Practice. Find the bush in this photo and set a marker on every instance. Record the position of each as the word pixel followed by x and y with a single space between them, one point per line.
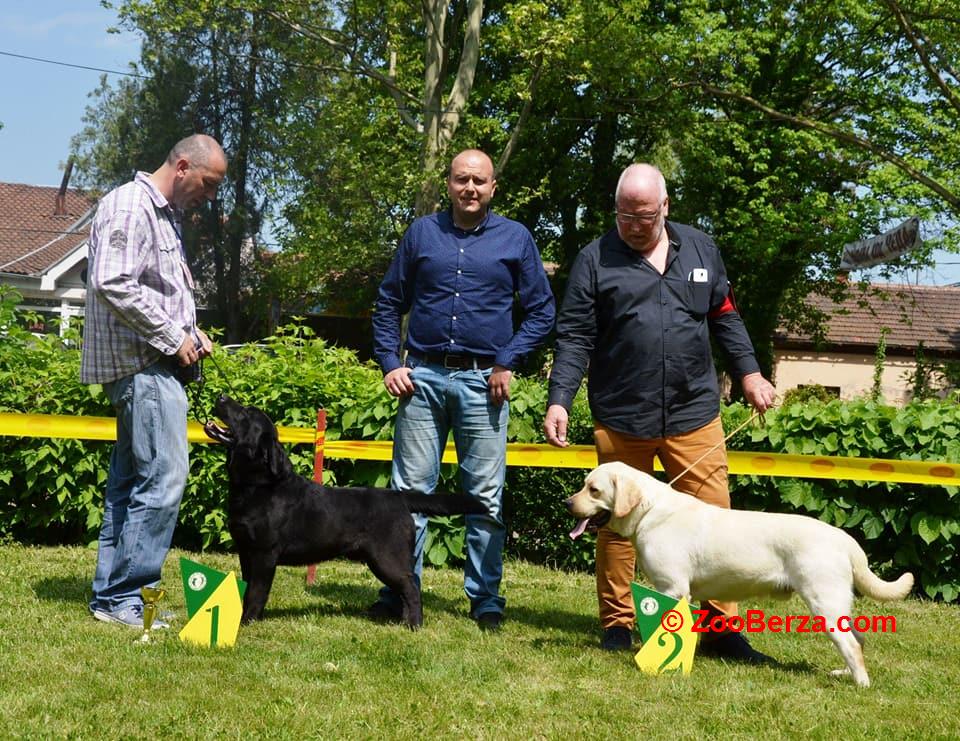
pixel 901 526
pixel 802 394
pixel 53 489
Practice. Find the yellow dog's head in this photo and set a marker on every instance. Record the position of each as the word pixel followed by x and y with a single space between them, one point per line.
pixel 610 491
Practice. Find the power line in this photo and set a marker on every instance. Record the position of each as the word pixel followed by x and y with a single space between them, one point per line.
pixel 77 66
pixel 385 105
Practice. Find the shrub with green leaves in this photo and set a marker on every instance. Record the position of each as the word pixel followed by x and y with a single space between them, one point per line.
pixel 901 526
pixel 52 490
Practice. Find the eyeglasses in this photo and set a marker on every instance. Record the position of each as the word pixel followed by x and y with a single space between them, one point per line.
pixel 647 218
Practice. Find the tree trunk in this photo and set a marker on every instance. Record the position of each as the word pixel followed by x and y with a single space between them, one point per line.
pixel 440 122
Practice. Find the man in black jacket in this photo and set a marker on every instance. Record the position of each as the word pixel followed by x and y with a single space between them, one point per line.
pixel 641 304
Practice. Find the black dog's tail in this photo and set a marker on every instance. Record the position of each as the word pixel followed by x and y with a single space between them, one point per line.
pixel 442 504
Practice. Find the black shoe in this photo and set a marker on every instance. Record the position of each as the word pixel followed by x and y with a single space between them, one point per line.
pixel 490 621
pixel 617 638
pixel 384 612
pixel 734 647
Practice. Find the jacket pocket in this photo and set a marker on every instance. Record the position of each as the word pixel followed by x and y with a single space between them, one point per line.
pixel 698 297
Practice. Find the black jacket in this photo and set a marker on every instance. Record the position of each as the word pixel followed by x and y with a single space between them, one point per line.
pixel 646 336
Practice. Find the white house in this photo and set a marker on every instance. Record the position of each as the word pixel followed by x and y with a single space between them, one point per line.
pixel 43 247
pixel 908 315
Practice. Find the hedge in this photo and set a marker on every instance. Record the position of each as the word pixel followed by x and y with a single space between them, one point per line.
pixel 52 489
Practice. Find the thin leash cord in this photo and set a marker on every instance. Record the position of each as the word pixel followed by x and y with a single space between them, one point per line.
pixel 722 442
pixel 223 375
pixel 195 390
pixel 636 565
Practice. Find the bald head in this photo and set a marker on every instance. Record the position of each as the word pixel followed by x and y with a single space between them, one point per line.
pixel 642 207
pixel 192 172
pixel 470 184
pixel 641 182
pixel 198 149
pixel 476 156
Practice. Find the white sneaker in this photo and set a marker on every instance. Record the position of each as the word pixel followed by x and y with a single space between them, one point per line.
pixel 131 616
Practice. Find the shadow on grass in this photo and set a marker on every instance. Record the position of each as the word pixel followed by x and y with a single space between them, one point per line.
pixel 796 667
pixel 339 598
pixel 63 589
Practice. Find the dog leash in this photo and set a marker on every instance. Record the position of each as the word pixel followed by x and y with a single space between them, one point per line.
pixel 195 389
pixel 223 375
pixel 722 442
pixel 636 565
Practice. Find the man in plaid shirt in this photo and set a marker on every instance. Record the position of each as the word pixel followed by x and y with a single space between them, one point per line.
pixel 140 326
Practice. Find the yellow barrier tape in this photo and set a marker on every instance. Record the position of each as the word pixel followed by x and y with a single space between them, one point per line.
pixel 936 473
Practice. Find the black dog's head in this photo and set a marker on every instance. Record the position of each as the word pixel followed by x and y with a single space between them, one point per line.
pixel 254 453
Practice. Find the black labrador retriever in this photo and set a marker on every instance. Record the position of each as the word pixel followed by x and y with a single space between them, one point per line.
pixel 277 517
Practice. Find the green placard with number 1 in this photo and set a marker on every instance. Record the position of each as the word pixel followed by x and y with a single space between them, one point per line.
pixel 214 604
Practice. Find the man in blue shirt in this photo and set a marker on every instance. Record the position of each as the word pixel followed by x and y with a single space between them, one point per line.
pixel 457 274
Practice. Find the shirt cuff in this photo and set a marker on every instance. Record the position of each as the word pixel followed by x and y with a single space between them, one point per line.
pixel 744 366
pixel 563 398
pixel 169 343
pixel 504 360
pixel 390 363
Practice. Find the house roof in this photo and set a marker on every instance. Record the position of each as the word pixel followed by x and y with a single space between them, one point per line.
pixel 32 237
pixel 912 314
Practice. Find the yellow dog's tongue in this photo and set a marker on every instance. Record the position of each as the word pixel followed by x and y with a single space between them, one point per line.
pixel 579 529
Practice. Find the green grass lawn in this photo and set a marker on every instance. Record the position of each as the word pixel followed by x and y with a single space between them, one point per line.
pixel 316 668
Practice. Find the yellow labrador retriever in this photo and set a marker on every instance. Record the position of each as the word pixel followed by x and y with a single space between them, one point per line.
pixel 695 550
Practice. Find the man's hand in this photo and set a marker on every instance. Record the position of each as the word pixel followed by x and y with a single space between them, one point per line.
pixel 555 425
pixel 188 353
pixel 206 346
pixel 499 384
pixel 758 391
pixel 398 382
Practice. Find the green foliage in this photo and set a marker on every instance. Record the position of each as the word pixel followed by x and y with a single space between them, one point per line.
pixel 752 110
pixel 880 356
pixel 537 521
pixel 209 70
pixel 901 526
pixel 931 377
pixel 52 489
pixel 810 392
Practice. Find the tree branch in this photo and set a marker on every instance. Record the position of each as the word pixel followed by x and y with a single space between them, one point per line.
pixel 434 17
pixel 842 136
pixel 524 115
pixel 401 97
pixel 908 31
pixel 465 72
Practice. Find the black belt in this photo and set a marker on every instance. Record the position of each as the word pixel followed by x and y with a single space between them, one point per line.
pixel 457 362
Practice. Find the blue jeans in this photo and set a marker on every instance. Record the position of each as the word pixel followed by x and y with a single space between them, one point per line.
pixel 456 400
pixel 148 470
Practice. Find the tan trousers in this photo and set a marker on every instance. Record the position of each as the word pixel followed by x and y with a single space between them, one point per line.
pixel 707 481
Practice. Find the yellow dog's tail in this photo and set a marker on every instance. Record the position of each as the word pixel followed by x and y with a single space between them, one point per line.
pixel 870 585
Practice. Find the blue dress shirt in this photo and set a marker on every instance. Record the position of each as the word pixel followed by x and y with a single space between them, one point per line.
pixel 459 288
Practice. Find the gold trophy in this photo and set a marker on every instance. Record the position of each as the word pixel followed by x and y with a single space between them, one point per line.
pixel 151 595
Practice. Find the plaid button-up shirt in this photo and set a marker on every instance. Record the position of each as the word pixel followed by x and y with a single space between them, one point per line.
pixel 139 289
